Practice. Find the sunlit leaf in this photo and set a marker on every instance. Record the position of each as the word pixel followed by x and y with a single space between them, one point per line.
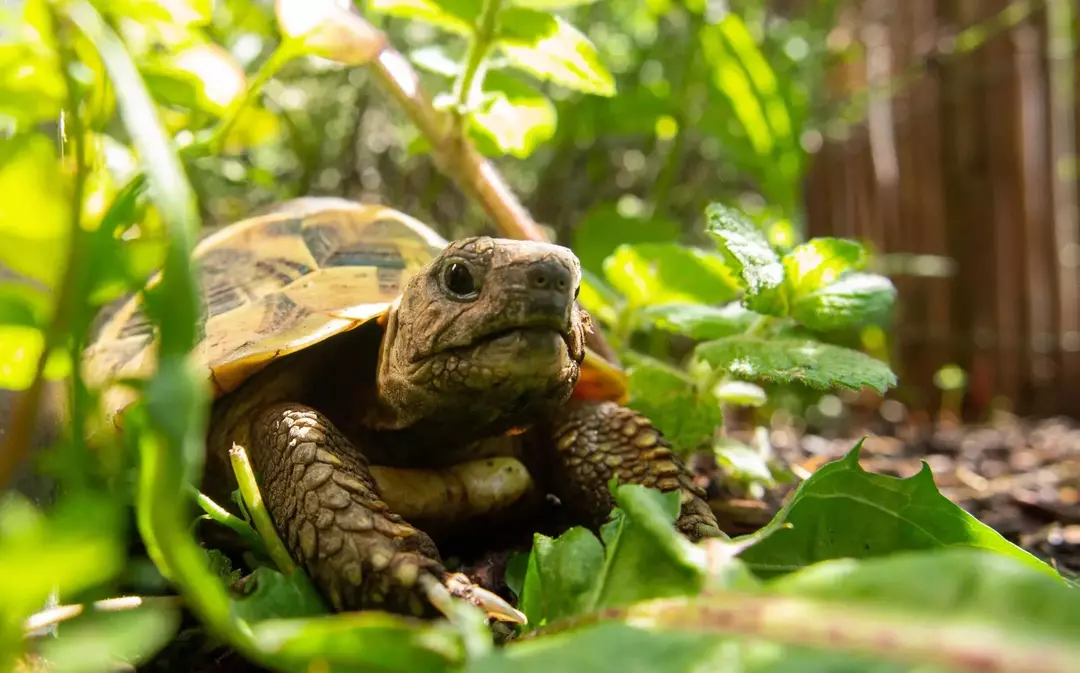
pixel 255 126
pixel 34 208
pixel 853 301
pixel 30 74
pixel 818 365
pixel 561 579
pixel 20 349
pixel 843 511
pixel 202 77
pixel 23 304
pixel 740 393
pixel 331 29
pixel 700 321
pixel 821 261
pixel 549 48
pixel 750 255
pixel 597 298
pixel 603 229
pixel 657 273
pixel 516 117
pixel 741 462
pixel 457 16
pixel 550 4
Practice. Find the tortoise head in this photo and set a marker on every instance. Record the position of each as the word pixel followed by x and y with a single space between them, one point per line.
pixel 486 335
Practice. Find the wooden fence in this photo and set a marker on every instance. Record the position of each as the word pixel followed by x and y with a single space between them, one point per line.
pixel 967 173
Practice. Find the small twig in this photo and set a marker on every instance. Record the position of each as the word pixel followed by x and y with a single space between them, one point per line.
pixel 62 613
pixel 249 489
pixel 479 45
pixel 221 515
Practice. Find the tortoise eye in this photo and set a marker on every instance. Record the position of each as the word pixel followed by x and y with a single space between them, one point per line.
pixel 459 279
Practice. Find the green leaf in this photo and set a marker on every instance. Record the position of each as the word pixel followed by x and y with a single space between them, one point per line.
pixel 276 595
pixel 99 641
pixel 513 115
pixel 965 585
pixel 741 462
pixel 34 208
pixel 456 16
pixel 202 77
pixel 604 228
pixel 23 304
pixel 549 48
pixel 561 576
pixel 646 556
pixel 657 273
pixel 818 365
pixel 844 511
pixel 748 252
pixel 820 262
pixel 598 299
pixel 853 301
pixel 700 321
pixel 360 641
pixel 671 401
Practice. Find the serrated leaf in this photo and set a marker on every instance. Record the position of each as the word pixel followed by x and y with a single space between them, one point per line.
pixel 456 16
pixel 361 641
pixel 670 401
pixel 843 511
pixel 603 229
pixel 513 115
pixel 812 265
pixel 657 273
pixel 34 208
pixel 853 301
pixel 700 321
pixel 549 48
pixel 750 256
pixel 818 365
pixel 274 595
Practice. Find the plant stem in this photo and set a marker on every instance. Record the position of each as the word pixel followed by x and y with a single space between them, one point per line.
pixel 249 489
pixel 225 518
pixel 281 55
pixel 479 44
pixel 62 613
pixel 28 407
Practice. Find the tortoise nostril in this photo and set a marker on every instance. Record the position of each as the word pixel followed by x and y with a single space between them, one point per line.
pixel 549 276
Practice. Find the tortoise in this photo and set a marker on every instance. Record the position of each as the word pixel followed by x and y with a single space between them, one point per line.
pixel 354 353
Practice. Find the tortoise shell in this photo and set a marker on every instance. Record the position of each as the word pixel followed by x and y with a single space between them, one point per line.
pixel 279 282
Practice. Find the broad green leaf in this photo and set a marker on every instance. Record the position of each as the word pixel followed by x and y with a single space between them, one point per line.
pixel 646 556
pixel 34 208
pixel 562 574
pixel 361 641
pixel 513 115
pixel 843 511
pixel 457 16
pixel 819 262
pixel 818 365
pixel 853 301
pixel 670 400
pixel 32 84
pixel 961 583
pixel 549 48
pixel 740 393
pixel 603 229
pixel 700 321
pixel 275 595
pixel 99 641
pixel 202 77
pixel 598 299
pixel 657 273
pixel 174 13
pixel 751 257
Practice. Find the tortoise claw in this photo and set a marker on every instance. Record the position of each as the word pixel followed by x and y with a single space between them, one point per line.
pixel 457 585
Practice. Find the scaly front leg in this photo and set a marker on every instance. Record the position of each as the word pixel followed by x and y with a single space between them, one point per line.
pixel 328 510
pixel 594 441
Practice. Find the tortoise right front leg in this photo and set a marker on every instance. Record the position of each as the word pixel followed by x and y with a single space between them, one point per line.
pixel 328 510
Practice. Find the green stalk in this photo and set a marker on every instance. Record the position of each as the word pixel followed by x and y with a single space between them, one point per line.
pixel 479 45
pixel 222 516
pixel 249 489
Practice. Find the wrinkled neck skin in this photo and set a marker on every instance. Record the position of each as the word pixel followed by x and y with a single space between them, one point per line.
pixel 444 402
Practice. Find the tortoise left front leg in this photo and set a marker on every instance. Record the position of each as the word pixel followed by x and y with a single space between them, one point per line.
pixel 593 441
